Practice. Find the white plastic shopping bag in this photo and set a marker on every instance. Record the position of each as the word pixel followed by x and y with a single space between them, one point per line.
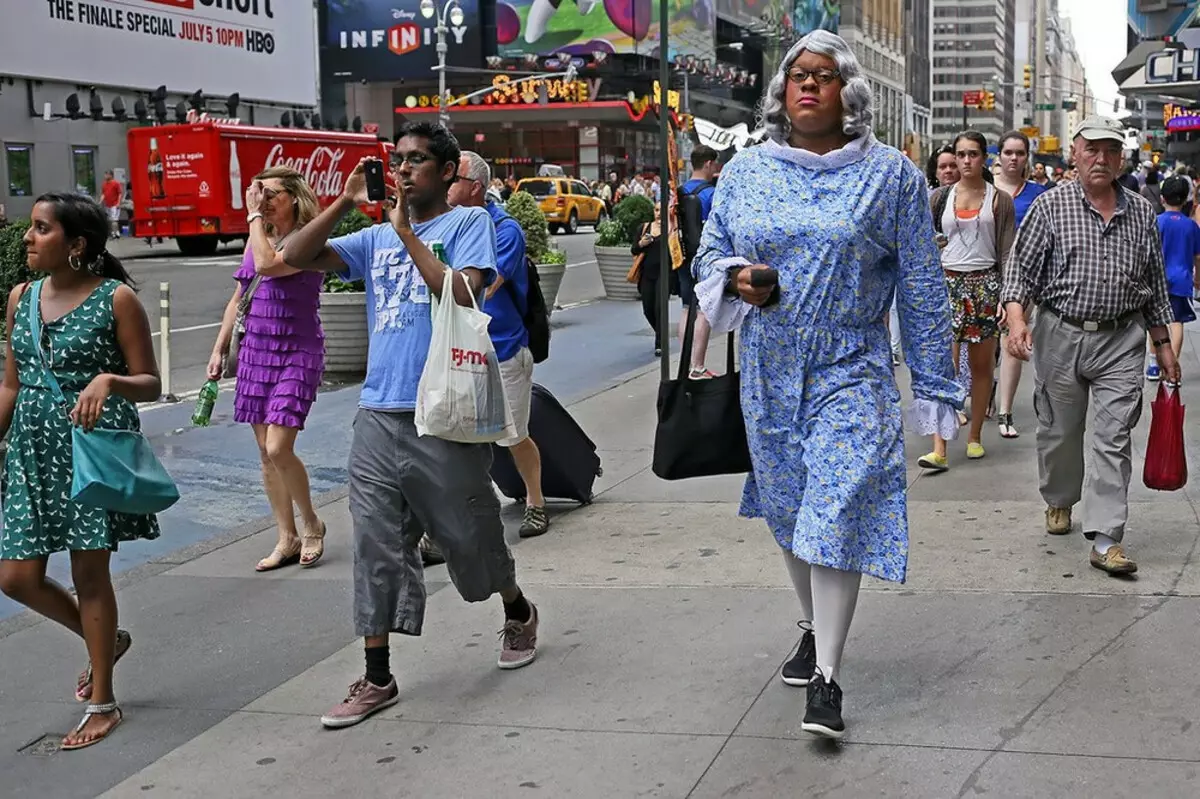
pixel 461 393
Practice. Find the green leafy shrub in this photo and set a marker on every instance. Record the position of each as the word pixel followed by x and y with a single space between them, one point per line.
pixel 631 213
pixel 553 256
pixel 611 234
pixel 13 268
pixel 522 207
pixel 351 222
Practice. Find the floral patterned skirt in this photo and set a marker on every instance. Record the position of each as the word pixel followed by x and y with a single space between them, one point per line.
pixel 975 304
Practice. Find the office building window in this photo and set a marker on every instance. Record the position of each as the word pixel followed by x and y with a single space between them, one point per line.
pixel 20 169
pixel 84 161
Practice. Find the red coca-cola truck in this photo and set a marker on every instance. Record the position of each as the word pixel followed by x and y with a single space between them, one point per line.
pixel 189 181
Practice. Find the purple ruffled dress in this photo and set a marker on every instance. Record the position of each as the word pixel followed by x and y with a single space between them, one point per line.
pixel 282 354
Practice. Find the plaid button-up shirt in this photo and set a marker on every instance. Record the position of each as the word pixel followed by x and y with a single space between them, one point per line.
pixel 1067 257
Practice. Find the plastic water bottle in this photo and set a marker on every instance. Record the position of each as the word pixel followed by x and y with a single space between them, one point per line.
pixel 205 403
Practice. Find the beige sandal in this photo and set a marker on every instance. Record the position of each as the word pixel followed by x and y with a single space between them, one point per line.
pixel 310 553
pixel 279 558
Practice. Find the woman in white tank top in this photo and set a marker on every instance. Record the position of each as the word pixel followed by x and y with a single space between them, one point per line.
pixel 977 228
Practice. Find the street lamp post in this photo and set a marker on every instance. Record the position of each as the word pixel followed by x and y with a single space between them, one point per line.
pixel 454 12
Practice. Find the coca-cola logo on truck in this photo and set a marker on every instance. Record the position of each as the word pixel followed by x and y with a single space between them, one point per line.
pixel 322 168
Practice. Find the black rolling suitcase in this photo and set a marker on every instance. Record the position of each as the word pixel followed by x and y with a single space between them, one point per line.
pixel 570 464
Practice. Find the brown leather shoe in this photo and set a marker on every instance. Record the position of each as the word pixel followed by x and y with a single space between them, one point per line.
pixel 1114 561
pixel 1058 520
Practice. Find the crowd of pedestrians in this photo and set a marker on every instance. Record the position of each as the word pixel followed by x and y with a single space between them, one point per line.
pixel 1079 275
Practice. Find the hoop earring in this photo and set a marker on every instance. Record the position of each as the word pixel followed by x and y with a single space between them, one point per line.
pixel 74 262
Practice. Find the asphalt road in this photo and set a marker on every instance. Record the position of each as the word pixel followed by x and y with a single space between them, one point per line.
pixel 200 288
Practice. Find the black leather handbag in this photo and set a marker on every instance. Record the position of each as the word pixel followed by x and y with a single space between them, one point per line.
pixel 700 430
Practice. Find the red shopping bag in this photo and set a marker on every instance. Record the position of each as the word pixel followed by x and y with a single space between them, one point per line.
pixel 1166 462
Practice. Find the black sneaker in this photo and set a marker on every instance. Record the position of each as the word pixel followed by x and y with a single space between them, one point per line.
pixel 799 670
pixel 430 554
pixel 535 523
pixel 823 713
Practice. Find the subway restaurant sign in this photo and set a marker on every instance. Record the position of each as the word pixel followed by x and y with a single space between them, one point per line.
pixel 506 91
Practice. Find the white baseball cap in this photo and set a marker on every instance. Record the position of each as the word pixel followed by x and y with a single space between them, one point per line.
pixel 1097 128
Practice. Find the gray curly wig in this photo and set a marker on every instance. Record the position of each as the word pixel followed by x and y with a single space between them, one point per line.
pixel 856 94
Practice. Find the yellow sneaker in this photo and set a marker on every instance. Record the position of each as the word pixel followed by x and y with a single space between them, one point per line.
pixel 1114 561
pixel 933 462
pixel 1058 520
pixel 975 450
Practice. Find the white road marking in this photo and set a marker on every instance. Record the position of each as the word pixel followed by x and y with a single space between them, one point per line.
pixel 187 329
pixel 224 385
pixel 581 263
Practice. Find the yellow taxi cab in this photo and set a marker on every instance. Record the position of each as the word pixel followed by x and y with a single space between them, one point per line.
pixel 566 202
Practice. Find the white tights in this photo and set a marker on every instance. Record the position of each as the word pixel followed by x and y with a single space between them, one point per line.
pixel 827 597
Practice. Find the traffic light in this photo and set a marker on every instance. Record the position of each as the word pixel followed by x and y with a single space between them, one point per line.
pixel 1028 76
pixel 987 101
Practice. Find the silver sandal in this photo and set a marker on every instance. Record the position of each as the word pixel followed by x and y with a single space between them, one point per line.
pixel 94 710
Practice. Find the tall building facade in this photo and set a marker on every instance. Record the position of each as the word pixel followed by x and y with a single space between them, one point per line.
pixel 874 29
pixel 1059 95
pixel 973 46
pixel 918 81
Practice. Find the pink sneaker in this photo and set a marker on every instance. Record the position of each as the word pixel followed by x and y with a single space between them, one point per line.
pixel 364 699
pixel 519 647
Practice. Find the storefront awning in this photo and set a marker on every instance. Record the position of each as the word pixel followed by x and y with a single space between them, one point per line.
pixel 589 113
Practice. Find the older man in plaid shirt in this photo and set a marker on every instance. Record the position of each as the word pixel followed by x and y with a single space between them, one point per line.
pixel 1088 255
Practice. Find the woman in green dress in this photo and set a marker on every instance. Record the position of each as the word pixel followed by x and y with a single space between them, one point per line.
pixel 96 339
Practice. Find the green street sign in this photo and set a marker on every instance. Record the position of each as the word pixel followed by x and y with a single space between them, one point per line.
pixel 1045 107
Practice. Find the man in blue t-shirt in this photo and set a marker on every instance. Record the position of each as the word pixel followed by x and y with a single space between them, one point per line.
pixel 1180 238
pixel 506 302
pixel 402 485
pixel 705 164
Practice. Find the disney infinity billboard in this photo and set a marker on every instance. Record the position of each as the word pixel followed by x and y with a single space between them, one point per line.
pixel 581 27
pixel 390 39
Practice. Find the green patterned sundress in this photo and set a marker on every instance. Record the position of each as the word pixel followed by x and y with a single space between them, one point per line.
pixel 40 517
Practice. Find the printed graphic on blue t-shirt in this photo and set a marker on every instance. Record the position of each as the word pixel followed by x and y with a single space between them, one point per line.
pixel 1181 244
pixel 398 300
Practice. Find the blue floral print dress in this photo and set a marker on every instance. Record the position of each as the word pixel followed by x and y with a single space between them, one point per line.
pixel 847 231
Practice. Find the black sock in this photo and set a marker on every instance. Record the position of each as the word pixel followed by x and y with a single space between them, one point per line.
pixel 379 672
pixel 518 609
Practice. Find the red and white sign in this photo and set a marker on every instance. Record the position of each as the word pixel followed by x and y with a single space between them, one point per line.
pixel 323 167
pixel 262 49
pixel 193 178
pixel 404 38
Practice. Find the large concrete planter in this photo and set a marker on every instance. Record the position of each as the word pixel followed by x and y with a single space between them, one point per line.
pixel 614 266
pixel 551 277
pixel 344 318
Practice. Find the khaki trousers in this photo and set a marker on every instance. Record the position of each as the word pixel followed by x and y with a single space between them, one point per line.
pixel 1072 365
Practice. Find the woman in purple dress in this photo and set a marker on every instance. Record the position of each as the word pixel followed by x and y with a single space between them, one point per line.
pixel 280 358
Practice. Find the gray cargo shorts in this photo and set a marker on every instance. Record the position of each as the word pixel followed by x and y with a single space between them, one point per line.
pixel 402 486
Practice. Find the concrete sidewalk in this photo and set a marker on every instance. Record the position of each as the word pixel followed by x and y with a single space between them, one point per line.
pixel 1005 666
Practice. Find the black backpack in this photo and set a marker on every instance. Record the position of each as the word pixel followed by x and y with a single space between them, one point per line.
pixel 939 208
pixel 691 219
pixel 536 317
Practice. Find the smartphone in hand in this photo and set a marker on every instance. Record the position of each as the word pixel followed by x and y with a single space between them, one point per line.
pixel 373 172
pixel 766 277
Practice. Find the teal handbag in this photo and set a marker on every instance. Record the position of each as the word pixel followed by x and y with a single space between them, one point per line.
pixel 112 469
